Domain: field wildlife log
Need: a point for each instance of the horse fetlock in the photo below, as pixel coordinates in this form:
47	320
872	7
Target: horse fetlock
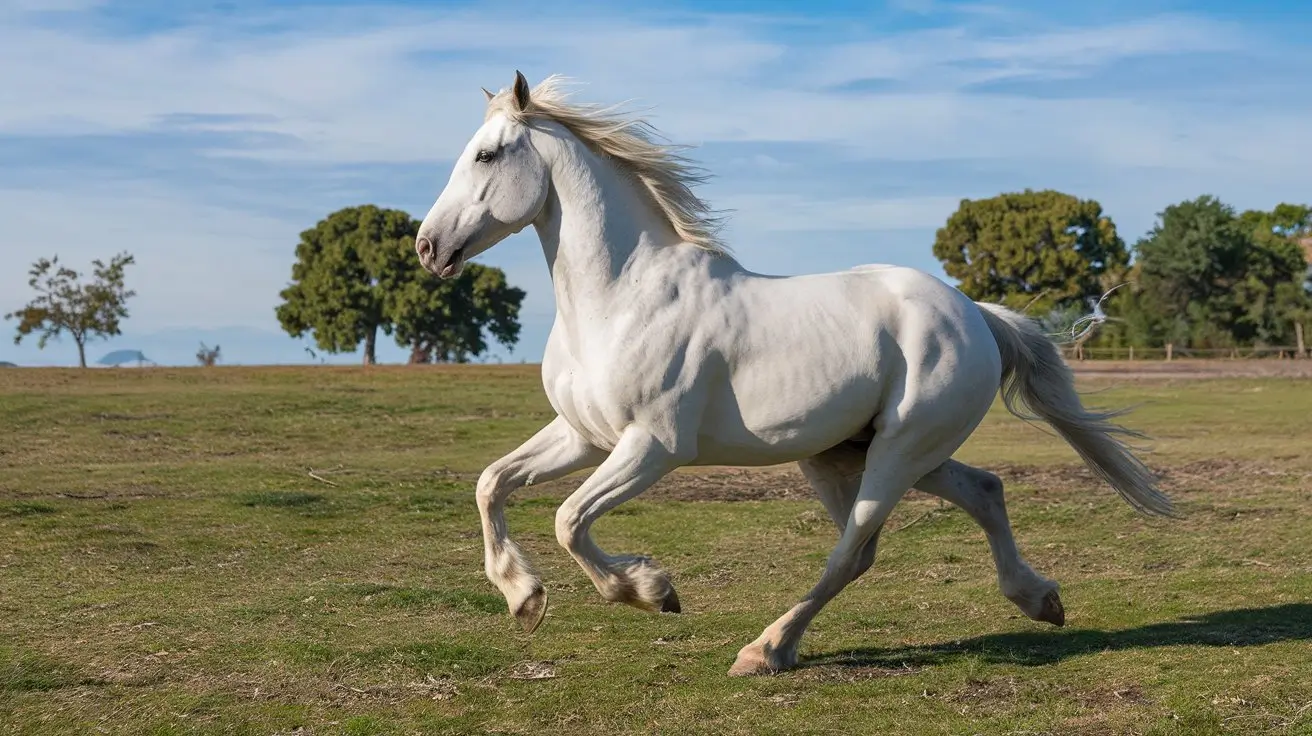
638	582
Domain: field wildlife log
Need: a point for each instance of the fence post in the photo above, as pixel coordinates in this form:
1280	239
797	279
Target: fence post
1131	352
1298	333
1170	348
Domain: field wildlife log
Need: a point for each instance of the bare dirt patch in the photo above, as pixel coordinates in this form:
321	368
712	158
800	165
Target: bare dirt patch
714	484
1211	474
1227	476
839	672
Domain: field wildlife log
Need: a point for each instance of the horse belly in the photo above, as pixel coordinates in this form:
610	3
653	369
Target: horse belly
783	416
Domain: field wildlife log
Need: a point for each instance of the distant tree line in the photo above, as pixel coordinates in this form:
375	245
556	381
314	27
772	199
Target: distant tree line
356	275
1205	276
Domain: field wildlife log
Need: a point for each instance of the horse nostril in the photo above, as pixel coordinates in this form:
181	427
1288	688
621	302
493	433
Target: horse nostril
424	247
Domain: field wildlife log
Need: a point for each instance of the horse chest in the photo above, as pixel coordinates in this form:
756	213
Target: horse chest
596	396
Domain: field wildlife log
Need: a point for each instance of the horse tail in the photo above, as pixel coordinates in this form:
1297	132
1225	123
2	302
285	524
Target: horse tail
1035	376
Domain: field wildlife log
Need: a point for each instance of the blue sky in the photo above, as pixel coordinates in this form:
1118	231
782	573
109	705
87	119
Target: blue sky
203	137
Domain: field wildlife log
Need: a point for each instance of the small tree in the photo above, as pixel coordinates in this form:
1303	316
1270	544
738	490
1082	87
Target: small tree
207	356
64	304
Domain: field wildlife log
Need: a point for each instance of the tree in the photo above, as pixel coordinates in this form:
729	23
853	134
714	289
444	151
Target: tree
446	320
356	274
64	304
1211	278
1292	221
1279	279
1287	222
207	356
1041	250
345	266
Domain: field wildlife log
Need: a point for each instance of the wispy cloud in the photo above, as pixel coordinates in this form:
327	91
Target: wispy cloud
408	91
958	57
786	213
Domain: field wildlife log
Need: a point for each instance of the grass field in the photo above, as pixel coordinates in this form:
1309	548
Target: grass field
168	565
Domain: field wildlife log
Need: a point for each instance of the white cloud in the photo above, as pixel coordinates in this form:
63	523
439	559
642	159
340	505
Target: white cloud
408	91
791	213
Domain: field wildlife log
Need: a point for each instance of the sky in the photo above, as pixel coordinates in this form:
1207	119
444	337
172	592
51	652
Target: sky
203	137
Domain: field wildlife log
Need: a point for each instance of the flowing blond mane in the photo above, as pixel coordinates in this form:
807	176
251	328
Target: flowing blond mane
629	141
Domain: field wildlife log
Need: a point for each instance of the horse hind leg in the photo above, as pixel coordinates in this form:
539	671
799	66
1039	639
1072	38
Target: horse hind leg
836	476
979	494
892	464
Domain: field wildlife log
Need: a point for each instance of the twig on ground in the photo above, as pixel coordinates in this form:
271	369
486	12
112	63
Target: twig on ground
315	474
913	522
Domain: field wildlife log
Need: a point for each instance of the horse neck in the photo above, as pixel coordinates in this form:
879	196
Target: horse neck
595	226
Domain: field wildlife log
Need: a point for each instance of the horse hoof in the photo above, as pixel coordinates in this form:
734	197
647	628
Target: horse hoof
671	603
532	610
1052	611
750	662
753	660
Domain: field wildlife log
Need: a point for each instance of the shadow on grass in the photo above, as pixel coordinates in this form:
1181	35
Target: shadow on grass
1243	627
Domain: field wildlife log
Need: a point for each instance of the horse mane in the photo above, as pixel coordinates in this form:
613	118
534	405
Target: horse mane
629	141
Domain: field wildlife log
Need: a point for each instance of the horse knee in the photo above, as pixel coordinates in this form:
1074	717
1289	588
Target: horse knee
491	486
569	526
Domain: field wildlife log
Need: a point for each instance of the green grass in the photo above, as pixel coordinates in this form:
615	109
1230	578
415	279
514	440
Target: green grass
169	566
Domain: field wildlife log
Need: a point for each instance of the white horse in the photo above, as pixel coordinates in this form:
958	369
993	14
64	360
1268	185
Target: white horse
665	352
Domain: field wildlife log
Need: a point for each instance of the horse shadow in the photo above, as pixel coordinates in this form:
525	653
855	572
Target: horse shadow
1241	627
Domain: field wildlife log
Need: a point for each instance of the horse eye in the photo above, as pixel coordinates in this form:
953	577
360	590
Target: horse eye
484	156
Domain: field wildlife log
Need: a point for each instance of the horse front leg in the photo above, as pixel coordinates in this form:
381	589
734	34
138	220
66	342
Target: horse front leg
637	462
554	452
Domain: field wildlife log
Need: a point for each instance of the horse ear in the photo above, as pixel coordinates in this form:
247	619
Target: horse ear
521	91
489	94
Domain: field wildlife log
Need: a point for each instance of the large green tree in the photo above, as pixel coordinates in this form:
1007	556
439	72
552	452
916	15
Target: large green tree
345	265
448	320
356	274
1043	250
64	304
1208	277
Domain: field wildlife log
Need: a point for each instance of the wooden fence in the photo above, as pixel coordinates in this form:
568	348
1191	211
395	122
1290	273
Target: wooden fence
1078	351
